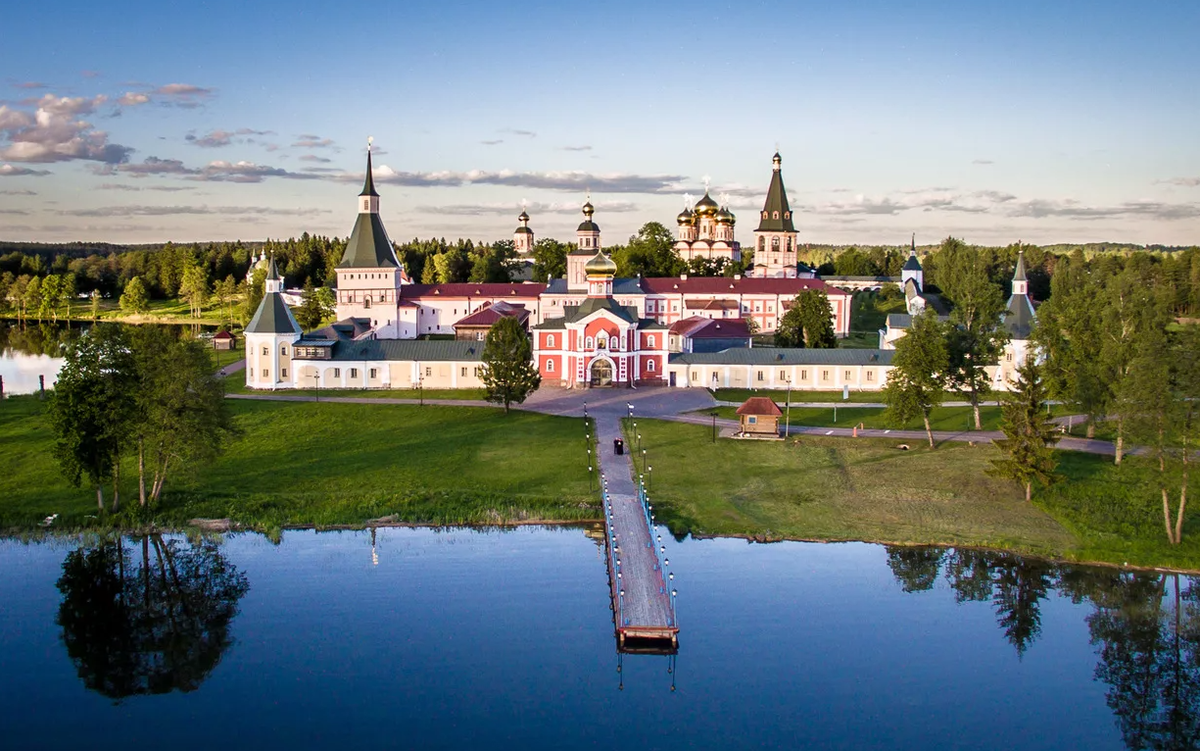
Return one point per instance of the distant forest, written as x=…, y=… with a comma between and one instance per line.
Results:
x=312, y=259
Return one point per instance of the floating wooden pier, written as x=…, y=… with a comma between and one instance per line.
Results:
x=642, y=593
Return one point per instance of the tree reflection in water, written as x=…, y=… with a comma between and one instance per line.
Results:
x=149, y=624
x=1145, y=626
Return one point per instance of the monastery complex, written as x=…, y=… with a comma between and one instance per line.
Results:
x=591, y=328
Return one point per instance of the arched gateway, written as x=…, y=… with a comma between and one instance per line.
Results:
x=602, y=372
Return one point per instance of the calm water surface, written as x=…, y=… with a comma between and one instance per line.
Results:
x=488, y=639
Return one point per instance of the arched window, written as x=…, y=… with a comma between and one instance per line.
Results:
x=789, y=245
x=775, y=244
x=283, y=350
x=775, y=215
x=650, y=366
x=266, y=351
x=550, y=340
x=549, y=366
x=650, y=342
x=589, y=343
x=367, y=301
x=762, y=242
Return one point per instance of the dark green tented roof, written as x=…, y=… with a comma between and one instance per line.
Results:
x=776, y=202
x=369, y=183
x=588, y=226
x=272, y=271
x=912, y=264
x=1019, y=318
x=1019, y=272
x=369, y=246
x=273, y=317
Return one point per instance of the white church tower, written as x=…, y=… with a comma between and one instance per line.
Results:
x=523, y=236
x=369, y=276
x=270, y=338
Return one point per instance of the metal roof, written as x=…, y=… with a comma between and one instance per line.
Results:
x=781, y=356
x=369, y=246
x=403, y=350
x=273, y=317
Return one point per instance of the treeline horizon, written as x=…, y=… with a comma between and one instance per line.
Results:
x=311, y=260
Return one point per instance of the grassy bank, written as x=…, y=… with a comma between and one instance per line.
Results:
x=859, y=489
x=324, y=464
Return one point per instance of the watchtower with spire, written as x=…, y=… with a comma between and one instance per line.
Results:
x=270, y=337
x=775, y=239
x=523, y=236
x=912, y=268
x=369, y=275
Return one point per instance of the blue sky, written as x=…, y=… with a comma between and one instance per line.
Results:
x=1053, y=121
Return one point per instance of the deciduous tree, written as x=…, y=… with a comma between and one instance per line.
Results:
x=918, y=376
x=134, y=298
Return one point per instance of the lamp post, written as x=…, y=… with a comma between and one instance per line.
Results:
x=650, y=477
x=714, y=417
x=787, y=420
x=317, y=386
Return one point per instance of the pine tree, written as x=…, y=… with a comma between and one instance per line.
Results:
x=309, y=314
x=918, y=376
x=508, y=371
x=1029, y=433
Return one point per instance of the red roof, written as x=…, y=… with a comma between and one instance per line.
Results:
x=489, y=314
x=468, y=289
x=713, y=285
x=222, y=335
x=759, y=405
x=699, y=327
x=712, y=305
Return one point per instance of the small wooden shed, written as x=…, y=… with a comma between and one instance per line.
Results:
x=223, y=340
x=759, y=416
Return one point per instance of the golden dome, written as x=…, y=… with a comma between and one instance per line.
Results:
x=686, y=217
x=725, y=216
x=600, y=265
x=706, y=206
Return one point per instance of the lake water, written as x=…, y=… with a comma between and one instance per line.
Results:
x=504, y=639
x=34, y=349
x=31, y=351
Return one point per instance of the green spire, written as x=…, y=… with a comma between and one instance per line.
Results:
x=776, y=214
x=1019, y=273
x=369, y=185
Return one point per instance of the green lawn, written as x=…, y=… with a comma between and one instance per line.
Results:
x=860, y=489
x=322, y=464
x=942, y=418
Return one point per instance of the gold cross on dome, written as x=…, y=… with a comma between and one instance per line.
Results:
x=707, y=180
x=370, y=140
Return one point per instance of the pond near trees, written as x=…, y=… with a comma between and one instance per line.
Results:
x=36, y=349
x=503, y=639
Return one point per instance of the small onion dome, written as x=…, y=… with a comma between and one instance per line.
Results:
x=600, y=265
x=706, y=206
x=588, y=209
x=724, y=216
x=523, y=217
x=686, y=217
